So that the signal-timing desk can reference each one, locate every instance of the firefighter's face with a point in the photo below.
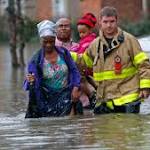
(108, 25)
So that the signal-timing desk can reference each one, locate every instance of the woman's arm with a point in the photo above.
(73, 70)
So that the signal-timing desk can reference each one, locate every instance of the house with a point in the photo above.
(129, 10)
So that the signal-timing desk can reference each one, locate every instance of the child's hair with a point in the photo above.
(88, 19)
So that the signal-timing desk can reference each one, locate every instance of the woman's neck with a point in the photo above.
(51, 56)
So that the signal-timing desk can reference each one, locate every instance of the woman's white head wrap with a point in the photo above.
(46, 28)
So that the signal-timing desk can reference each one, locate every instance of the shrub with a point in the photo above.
(138, 29)
(29, 31)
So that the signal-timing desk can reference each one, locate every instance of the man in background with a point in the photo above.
(63, 33)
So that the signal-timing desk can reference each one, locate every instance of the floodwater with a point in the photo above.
(105, 132)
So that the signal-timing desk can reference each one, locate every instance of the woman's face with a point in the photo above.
(48, 43)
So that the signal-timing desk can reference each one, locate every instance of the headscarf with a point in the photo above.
(88, 19)
(46, 28)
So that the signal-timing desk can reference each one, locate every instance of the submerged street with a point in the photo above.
(105, 132)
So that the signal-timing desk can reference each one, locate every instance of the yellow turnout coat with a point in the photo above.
(135, 68)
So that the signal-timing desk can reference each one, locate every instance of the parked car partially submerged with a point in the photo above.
(145, 44)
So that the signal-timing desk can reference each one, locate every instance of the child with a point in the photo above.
(85, 26)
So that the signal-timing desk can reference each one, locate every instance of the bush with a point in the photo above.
(75, 34)
(29, 31)
(137, 29)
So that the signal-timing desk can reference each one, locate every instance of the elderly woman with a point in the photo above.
(53, 79)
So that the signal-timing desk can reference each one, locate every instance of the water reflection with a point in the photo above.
(105, 132)
(13, 98)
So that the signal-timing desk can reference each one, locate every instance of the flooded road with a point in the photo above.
(105, 132)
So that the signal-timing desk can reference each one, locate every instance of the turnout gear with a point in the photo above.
(120, 71)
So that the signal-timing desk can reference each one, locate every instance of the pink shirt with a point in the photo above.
(67, 45)
(84, 43)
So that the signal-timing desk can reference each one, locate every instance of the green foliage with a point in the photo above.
(29, 31)
(137, 29)
(3, 30)
(75, 34)
(3, 36)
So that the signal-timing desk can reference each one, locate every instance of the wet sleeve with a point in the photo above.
(75, 75)
(141, 61)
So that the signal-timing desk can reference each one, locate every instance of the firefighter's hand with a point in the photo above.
(75, 94)
(30, 77)
(144, 93)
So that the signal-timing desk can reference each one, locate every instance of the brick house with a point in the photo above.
(131, 10)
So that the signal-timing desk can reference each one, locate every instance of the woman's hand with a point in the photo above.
(75, 94)
(30, 77)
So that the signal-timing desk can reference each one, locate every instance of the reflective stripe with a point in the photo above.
(88, 61)
(74, 56)
(120, 101)
(145, 83)
(140, 58)
(98, 103)
(108, 75)
(126, 99)
(110, 105)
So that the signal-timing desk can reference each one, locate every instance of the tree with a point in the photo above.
(21, 37)
(16, 32)
(12, 32)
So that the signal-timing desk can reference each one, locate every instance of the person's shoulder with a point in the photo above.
(74, 43)
(94, 45)
(131, 40)
(129, 36)
(36, 56)
(88, 39)
(95, 41)
(62, 50)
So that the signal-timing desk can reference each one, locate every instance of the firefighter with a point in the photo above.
(121, 69)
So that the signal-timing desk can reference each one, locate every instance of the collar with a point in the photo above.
(64, 44)
(117, 39)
